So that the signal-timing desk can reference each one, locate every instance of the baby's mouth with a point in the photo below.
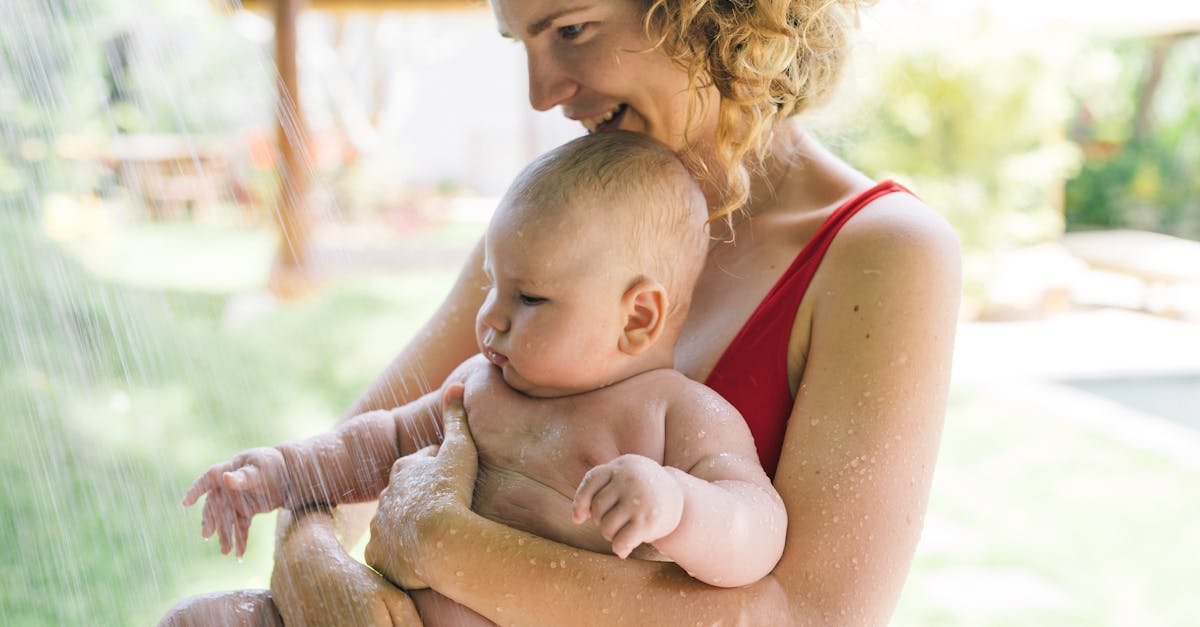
(496, 358)
(607, 122)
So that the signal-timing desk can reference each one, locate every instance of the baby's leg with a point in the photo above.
(440, 611)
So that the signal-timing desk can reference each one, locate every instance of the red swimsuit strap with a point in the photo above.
(752, 372)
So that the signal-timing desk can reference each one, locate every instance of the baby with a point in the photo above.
(586, 435)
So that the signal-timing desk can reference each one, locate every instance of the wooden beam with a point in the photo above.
(291, 276)
(377, 5)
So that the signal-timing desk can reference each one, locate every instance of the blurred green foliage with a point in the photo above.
(1146, 178)
(75, 72)
(115, 397)
(980, 139)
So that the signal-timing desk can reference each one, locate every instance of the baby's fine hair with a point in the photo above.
(647, 199)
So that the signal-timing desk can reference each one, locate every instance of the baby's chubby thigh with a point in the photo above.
(438, 610)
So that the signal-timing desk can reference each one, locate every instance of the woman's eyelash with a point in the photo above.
(571, 31)
(526, 299)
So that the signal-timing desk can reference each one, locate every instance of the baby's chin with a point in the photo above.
(532, 388)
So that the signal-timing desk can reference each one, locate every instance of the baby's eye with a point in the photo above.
(530, 300)
(571, 31)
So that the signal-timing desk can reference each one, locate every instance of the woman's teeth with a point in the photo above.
(595, 123)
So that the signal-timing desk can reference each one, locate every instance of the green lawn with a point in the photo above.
(128, 365)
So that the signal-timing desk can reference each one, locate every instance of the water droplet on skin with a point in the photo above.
(700, 435)
(854, 463)
(604, 610)
(682, 593)
(454, 532)
(814, 422)
(440, 544)
(520, 541)
(458, 573)
(533, 560)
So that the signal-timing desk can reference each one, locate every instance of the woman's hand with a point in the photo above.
(424, 488)
(316, 583)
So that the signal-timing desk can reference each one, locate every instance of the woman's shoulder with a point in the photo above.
(894, 231)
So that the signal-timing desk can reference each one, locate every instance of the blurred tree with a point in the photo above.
(1138, 122)
(981, 138)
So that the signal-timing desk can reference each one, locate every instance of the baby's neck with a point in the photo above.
(660, 356)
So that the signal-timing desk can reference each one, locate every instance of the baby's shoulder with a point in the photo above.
(477, 376)
(684, 396)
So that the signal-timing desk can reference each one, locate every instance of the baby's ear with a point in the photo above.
(645, 307)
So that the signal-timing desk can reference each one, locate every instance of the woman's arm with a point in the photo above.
(315, 583)
(444, 342)
(854, 475)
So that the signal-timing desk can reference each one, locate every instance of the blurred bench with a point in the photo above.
(1161, 262)
(173, 175)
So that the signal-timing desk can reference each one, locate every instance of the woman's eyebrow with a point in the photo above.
(537, 27)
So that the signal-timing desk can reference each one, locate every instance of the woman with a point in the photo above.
(836, 349)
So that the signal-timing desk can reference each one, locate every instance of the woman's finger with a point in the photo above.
(595, 480)
(457, 445)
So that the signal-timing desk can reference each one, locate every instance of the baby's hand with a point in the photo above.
(253, 482)
(632, 498)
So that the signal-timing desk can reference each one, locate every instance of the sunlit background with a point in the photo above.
(163, 304)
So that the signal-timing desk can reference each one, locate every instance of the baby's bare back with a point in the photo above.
(534, 452)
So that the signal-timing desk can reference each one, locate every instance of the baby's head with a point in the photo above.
(592, 256)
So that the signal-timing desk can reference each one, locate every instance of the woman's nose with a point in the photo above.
(549, 85)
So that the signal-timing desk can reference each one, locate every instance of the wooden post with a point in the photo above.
(291, 276)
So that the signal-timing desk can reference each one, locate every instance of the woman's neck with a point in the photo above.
(783, 154)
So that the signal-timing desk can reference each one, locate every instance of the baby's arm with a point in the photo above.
(346, 465)
(710, 507)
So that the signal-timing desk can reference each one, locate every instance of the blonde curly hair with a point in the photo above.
(768, 59)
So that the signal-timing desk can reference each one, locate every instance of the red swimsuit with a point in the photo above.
(752, 372)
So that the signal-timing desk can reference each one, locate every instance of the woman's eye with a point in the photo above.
(571, 31)
(529, 300)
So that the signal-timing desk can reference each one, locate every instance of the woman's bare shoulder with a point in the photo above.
(896, 237)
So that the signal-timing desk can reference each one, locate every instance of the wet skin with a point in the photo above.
(533, 452)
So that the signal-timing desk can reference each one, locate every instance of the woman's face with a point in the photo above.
(593, 59)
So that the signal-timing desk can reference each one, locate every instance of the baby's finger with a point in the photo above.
(607, 498)
(202, 484)
(626, 540)
(224, 529)
(241, 532)
(593, 482)
(614, 520)
(208, 520)
(243, 478)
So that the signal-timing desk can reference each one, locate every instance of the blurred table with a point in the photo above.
(174, 175)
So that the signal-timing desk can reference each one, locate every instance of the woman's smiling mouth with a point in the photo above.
(609, 121)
